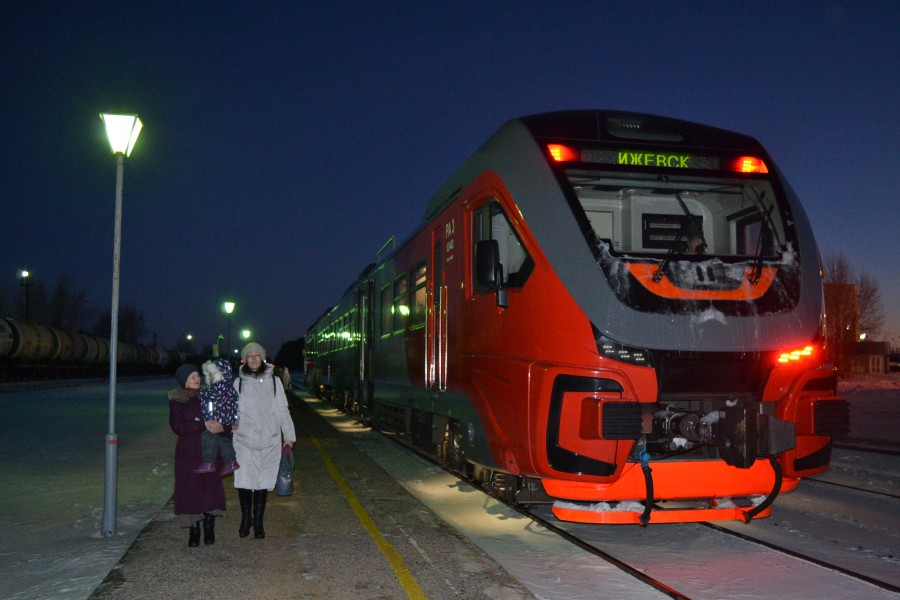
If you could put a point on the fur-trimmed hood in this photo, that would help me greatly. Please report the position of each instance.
(181, 395)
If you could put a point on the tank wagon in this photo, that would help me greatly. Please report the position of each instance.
(33, 351)
(614, 312)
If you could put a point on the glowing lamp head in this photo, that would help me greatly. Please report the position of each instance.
(229, 307)
(122, 131)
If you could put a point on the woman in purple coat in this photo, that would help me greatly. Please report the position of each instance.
(198, 497)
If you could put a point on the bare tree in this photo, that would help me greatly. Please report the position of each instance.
(871, 315)
(132, 326)
(68, 308)
(838, 269)
(852, 306)
(4, 302)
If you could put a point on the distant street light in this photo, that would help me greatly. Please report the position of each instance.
(245, 334)
(25, 278)
(229, 308)
(122, 131)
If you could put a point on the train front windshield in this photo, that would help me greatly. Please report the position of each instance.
(654, 215)
(674, 241)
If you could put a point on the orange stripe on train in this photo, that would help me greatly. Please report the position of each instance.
(643, 272)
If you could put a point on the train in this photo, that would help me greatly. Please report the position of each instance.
(30, 351)
(619, 314)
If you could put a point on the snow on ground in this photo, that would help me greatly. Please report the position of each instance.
(53, 457)
(52, 454)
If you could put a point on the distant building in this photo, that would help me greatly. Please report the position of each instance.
(870, 358)
(841, 324)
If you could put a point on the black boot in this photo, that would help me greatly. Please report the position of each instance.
(194, 535)
(259, 510)
(246, 498)
(209, 529)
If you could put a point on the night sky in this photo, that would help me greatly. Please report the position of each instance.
(283, 144)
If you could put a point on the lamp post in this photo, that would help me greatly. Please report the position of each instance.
(229, 308)
(122, 131)
(25, 279)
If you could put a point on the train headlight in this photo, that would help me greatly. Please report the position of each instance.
(627, 354)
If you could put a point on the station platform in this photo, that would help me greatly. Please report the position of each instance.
(348, 531)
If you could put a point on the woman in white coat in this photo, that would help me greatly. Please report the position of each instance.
(264, 433)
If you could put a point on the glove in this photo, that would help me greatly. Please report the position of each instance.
(286, 450)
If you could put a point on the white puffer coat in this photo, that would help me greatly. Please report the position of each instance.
(264, 424)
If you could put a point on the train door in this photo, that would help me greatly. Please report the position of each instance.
(364, 329)
(436, 318)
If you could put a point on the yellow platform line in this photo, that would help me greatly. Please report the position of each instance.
(402, 572)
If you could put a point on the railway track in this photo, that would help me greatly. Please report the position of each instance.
(852, 487)
(805, 557)
(647, 563)
(632, 570)
(869, 449)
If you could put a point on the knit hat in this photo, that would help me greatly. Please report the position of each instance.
(253, 347)
(183, 372)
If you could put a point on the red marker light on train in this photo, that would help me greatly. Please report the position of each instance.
(795, 355)
(750, 164)
(562, 153)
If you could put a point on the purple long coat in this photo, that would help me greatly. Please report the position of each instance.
(194, 494)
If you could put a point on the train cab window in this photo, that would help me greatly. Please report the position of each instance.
(417, 314)
(490, 223)
(399, 308)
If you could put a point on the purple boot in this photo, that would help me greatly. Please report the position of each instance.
(229, 468)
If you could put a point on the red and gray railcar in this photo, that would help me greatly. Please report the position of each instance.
(616, 312)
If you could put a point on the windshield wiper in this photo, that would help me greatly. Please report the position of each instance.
(756, 271)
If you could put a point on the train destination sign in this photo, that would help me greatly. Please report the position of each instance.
(642, 158)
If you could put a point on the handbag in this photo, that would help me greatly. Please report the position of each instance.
(284, 484)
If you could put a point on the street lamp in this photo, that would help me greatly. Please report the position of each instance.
(229, 308)
(25, 279)
(122, 131)
(245, 334)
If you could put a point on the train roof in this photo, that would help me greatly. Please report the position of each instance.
(597, 126)
(616, 126)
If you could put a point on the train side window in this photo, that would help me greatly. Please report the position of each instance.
(386, 306)
(352, 338)
(417, 302)
(490, 223)
(400, 308)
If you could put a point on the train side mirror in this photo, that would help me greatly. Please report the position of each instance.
(489, 270)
